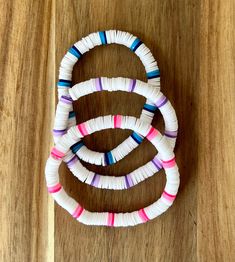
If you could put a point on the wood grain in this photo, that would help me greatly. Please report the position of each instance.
(193, 42)
(27, 105)
(216, 123)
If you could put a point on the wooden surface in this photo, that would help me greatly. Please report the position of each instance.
(193, 42)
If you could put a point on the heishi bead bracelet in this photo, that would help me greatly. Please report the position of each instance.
(70, 148)
(140, 174)
(74, 134)
(65, 81)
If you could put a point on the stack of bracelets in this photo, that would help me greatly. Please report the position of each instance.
(70, 148)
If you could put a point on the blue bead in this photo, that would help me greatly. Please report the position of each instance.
(63, 84)
(150, 108)
(71, 114)
(135, 44)
(109, 158)
(153, 74)
(76, 146)
(103, 38)
(137, 138)
(74, 51)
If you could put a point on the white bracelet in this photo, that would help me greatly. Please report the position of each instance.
(158, 100)
(109, 218)
(83, 46)
(140, 174)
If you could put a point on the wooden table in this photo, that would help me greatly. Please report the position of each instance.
(193, 42)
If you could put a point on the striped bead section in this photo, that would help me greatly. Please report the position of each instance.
(169, 163)
(78, 211)
(137, 42)
(117, 121)
(72, 114)
(152, 134)
(162, 101)
(72, 161)
(103, 37)
(56, 154)
(168, 196)
(157, 163)
(54, 189)
(150, 108)
(74, 148)
(110, 219)
(128, 181)
(109, 159)
(57, 132)
(132, 85)
(74, 51)
(82, 129)
(153, 74)
(98, 84)
(95, 180)
(143, 215)
(64, 83)
(171, 134)
(137, 138)
(66, 99)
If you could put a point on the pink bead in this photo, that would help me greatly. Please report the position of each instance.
(110, 219)
(169, 163)
(143, 215)
(168, 196)
(152, 134)
(54, 189)
(82, 129)
(55, 153)
(78, 211)
(117, 121)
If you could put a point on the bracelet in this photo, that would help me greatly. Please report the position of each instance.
(158, 100)
(76, 52)
(140, 174)
(110, 218)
